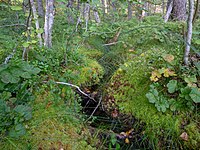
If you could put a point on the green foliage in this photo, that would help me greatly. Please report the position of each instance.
(16, 79)
(160, 102)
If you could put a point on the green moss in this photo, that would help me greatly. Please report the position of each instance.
(193, 132)
(53, 126)
(132, 81)
(91, 53)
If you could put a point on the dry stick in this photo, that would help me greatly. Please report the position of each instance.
(12, 25)
(95, 109)
(75, 86)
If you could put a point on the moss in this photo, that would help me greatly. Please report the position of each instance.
(193, 132)
(90, 74)
(129, 85)
(53, 126)
(91, 53)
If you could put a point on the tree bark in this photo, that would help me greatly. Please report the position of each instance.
(189, 32)
(86, 13)
(196, 11)
(130, 13)
(179, 10)
(40, 8)
(36, 21)
(169, 10)
(176, 10)
(70, 17)
(48, 25)
(96, 15)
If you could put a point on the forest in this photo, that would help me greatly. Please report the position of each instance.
(99, 74)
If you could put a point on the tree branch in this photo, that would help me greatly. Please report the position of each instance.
(11, 25)
(95, 109)
(75, 86)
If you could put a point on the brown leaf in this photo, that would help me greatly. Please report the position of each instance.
(184, 136)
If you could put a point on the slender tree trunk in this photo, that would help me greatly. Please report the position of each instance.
(40, 8)
(169, 10)
(86, 14)
(48, 25)
(163, 7)
(36, 22)
(96, 15)
(130, 13)
(103, 7)
(144, 13)
(189, 32)
(70, 17)
(196, 11)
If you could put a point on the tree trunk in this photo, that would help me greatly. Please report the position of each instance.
(96, 15)
(70, 17)
(103, 7)
(86, 13)
(130, 13)
(36, 21)
(169, 10)
(163, 7)
(40, 8)
(49, 18)
(196, 11)
(189, 32)
(179, 10)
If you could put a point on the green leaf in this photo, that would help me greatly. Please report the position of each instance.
(191, 79)
(24, 111)
(195, 95)
(2, 86)
(151, 97)
(26, 44)
(185, 93)
(172, 86)
(7, 77)
(40, 30)
(17, 131)
(26, 75)
(16, 7)
(33, 41)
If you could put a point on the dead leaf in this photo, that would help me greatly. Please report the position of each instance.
(114, 113)
(127, 141)
(184, 136)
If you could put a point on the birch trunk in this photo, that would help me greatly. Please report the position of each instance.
(169, 10)
(96, 15)
(189, 32)
(86, 14)
(37, 25)
(49, 18)
(40, 8)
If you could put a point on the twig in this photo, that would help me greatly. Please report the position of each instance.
(11, 25)
(113, 43)
(95, 109)
(75, 86)
(7, 59)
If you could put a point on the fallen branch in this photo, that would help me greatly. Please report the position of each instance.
(95, 109)
(75, 86)
(113, 43)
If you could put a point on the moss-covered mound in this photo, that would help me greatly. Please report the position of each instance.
(129, 86)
